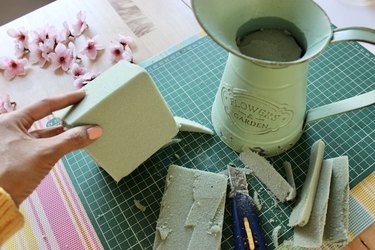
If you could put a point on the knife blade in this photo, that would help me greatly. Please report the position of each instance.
(247, 232)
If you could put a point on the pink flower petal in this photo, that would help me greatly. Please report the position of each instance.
(9, 75)
(5, 104)
(38, 54)
(60, 49)
(61, 58)
(80, 26)
(20, 34)
(83, 80)
(12, 33)
(4, 62)
(125, 40)
(91, 48)
(116, 53)
(128, 54)
(76, 70)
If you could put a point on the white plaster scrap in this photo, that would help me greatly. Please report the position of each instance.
(257, 201)
(184, 124)
(163, 232)
(215, 229)
(290, 178)
(311, 234)
(337, 224)
(171, 142)
(138, 205)
(301, 212)
(275, 236)
(246, 171)
(267, 174)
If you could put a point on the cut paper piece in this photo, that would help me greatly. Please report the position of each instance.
(192, 210)
(266, 173)
(136, 121)
(311, 234)
(191, 126)
(290, 178)
(337, 224)
(301, 212)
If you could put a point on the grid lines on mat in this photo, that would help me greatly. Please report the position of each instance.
(188, 79)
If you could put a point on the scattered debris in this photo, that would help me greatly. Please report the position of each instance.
(257, 201)
(290, 178)
(267, 174)
(138, 204)
(275, 236)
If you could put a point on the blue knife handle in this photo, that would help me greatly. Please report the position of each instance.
(243, 206)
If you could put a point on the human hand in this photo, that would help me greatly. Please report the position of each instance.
(26, 157)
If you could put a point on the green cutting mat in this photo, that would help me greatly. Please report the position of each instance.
(188, 79)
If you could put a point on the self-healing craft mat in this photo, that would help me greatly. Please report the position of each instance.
(78, 192)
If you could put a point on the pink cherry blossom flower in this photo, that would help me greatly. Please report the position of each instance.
(61, 58)
(5, 104)
(21, 35)
(92, 47)
(76, 70)
(20, 49)
(65, 35)
(40, 35)
(46, 35)
(12, 67)
(116, 53)
(80, 26)
(125, 40)
(39, 54)
(83, 80)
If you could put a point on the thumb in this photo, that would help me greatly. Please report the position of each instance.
(75, 138)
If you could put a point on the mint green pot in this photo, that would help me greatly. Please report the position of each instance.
(261, 104)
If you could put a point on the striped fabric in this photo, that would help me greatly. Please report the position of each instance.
(54, 216)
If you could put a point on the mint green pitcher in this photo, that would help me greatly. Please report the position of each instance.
(260, 103)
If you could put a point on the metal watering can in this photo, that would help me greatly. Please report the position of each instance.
(261, 102)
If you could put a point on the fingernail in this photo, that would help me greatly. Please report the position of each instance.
(94, 132)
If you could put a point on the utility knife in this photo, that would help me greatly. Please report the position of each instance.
(247, 232)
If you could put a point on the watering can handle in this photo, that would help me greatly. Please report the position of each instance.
(361, 34)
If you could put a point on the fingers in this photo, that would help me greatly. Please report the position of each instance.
(73, 139)
(47, 132)
(45, 107)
